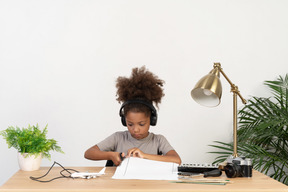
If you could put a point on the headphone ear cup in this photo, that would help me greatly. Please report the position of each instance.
(153, 120)
(123, 120)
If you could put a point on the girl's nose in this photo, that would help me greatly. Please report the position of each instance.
(136, 129)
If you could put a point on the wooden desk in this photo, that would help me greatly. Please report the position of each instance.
(21, 182)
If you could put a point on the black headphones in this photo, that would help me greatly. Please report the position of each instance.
(153, 117)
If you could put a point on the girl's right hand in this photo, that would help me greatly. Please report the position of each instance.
(116, 158)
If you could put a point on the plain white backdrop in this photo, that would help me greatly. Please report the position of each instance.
(59, 60)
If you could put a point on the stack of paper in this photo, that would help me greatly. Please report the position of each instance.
(138, 168)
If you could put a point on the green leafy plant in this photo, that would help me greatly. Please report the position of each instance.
(30, 140)
(263, 132)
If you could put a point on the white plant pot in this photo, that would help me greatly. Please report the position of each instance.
(29, 162)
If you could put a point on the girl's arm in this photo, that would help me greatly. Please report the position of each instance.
(94, 153)
(170, 156)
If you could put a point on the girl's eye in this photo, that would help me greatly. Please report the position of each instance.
(130, 125)
(141, 125)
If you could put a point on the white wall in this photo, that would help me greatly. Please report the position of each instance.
(59, 61)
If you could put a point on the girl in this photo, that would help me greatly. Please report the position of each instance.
(138, 93)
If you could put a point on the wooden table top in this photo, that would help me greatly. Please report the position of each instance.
(21, 181)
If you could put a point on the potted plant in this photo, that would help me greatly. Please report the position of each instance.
(31, 144)
(263, 132)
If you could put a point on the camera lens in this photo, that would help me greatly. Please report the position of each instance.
(232, 170)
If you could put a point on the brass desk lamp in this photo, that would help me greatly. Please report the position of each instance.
(208, 91)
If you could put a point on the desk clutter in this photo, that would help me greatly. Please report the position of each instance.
(144, 169)
(234, 167)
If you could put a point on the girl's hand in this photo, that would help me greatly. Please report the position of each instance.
(115, 157)
(135, 152)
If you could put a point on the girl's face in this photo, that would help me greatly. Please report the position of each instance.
(138, 124)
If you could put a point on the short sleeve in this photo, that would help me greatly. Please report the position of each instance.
(164, 145)
(108, 144)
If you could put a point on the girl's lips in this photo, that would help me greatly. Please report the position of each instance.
(137, 136)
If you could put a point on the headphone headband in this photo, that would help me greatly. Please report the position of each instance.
(153, 117)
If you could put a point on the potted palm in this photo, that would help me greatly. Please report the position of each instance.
(263, 132)
(31, 144)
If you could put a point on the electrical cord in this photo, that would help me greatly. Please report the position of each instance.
(60, 177)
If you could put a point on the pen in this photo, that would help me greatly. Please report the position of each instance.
(197, 182)
(205, 181)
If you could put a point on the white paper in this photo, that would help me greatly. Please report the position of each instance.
(138, 168)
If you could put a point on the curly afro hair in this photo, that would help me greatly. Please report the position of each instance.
(141, 85)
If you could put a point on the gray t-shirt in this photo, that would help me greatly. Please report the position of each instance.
(122, 141)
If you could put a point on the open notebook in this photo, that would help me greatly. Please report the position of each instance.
(138, 168)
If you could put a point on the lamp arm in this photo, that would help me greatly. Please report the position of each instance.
(234, 88)
(236, 93)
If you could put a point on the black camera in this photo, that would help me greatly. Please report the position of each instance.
(238, 167)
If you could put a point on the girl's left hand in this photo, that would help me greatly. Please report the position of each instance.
(135, 152)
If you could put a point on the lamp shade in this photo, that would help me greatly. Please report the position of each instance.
(208, 90)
